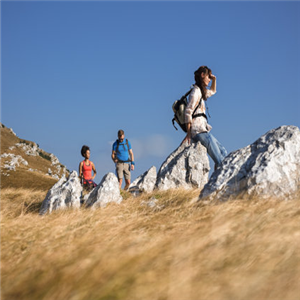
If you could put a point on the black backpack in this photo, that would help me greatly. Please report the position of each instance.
(179, 107)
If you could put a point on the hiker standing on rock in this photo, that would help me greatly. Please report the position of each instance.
(195, 118)
(85, 169)
(122, 156)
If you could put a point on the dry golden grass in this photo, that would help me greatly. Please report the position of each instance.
(242, 249)
(22, 178)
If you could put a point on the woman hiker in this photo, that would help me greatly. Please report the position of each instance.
(85, 169)
(197, 127)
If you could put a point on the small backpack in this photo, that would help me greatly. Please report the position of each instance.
(179, 107)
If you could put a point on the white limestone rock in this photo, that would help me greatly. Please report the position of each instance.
(270, 167)
(150, 203)
(11, 130)
(145, 182)
(65, 193)
(11, 161)
(187, 167)
(31, 150)
(106, 192)
(54, 160)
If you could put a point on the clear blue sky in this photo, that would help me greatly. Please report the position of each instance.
(75, 73)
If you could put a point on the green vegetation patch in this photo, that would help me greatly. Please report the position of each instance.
(45, 156)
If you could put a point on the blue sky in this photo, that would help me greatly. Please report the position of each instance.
(74, 73)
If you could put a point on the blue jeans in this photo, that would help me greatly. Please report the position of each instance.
(215, 150)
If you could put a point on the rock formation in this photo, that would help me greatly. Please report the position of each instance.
(145, 182)
(65, 193)
(269, 167)
(12, 161)
(186, 167)
(18, 154)
(107, 191)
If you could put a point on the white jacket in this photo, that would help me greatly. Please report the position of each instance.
(199, 124)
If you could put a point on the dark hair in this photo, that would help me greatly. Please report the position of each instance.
(84, 149)
(199, 79)
(120, 132)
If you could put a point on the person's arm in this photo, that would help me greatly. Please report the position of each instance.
(95, 172)
(114, 156)
(213, 86)
(80, 170)
(188, 134)
(193, 102)
(132, 159)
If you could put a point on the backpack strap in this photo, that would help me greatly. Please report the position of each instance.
(199, 104)
(117, 145)
(129, 160)
(187, 93)
(201, 114)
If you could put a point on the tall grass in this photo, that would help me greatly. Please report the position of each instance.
(241, 249)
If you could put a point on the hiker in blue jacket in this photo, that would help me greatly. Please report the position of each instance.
(123, 157)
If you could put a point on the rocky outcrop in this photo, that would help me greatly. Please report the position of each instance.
(107, 191)
(270, 167)
(31, 149)
(23, 155)
(145, 182)
(65, 193)
(187, 167)
(10, 129)
(12, 161)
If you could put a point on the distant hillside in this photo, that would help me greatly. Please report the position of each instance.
(24, 164)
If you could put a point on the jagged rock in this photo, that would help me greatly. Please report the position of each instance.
(145, 182)
(107, 191)
(269, 167)
(186, 167)
(65, 193)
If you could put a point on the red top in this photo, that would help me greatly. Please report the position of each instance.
(87, 171)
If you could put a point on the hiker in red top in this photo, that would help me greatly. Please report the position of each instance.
(85, 169)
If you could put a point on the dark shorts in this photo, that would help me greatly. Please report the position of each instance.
(88, 184)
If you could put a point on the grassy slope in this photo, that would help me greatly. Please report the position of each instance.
(22, 178)
(235, 250)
